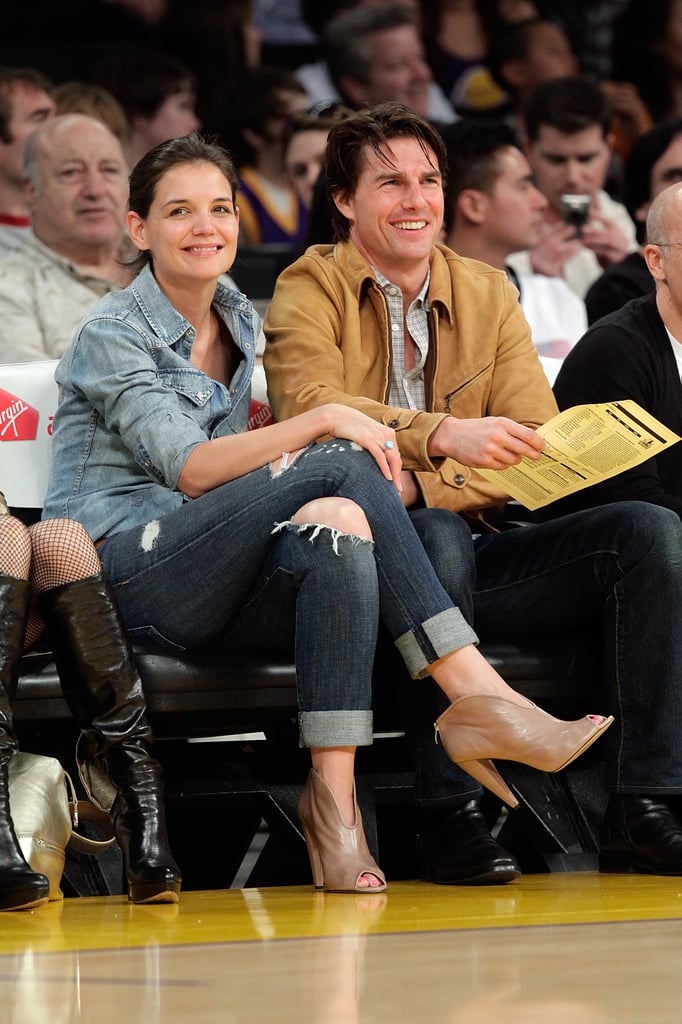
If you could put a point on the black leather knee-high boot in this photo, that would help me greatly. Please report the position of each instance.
(102, 687)
(20, 888)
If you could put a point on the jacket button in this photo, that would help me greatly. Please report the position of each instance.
(394, 424)
(459, 480)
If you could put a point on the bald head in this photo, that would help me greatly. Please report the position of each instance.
(664, 219)
(663, 255)
(77, 187)
(65, 133)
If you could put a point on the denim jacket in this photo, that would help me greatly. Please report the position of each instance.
(131, 407)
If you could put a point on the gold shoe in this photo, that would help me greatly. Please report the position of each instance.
(477, 728)
(338, 853)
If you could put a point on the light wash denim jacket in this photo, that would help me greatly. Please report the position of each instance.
(131, 407)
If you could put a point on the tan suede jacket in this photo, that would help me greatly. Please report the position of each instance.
(328, 340)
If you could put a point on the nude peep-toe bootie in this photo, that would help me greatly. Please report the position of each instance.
(338, 853)
(477, 728)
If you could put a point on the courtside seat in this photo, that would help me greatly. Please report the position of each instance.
(203, 693)
(242, 712)
(226, 736)
(197, 696)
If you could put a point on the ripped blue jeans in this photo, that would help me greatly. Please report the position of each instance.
(230, 569)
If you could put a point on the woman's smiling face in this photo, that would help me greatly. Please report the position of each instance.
(192, 227)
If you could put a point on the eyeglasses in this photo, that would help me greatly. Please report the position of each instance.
(665, 245)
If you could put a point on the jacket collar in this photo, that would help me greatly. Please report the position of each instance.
(357, 270)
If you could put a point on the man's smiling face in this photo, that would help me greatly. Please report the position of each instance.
(396, 211)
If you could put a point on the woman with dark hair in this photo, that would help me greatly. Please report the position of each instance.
(50, 575)
(262, 539)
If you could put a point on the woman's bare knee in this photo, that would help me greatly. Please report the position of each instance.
(340, 514)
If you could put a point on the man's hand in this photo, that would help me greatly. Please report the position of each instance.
(558, 244)
(411, 492)
(490, 443)
(606, 240)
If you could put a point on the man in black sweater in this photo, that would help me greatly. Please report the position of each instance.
(636, 352)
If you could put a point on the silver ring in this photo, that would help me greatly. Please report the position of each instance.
(389, 445)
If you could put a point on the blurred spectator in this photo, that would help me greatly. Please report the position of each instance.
(96, 101)
(589, 25)
(629, 116)
(567, 122)
(318, 13)
(270, 209)
(492, 209)
(157, 93)
(220, 41)
(288, 40)
(457, 35)
(77, 189)
(594, 48)
(373, 53)
(304, 142)
(527, 53)
(25, 102)
(533, 51)
(647, 51)
(654, 163)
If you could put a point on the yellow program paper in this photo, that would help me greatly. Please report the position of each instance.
(585, 445)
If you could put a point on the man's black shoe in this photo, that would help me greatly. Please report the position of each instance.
(456, 848)
(640, 834)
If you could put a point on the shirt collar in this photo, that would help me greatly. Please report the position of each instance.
(440, 283)
(421, 298)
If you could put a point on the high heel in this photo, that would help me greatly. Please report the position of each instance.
(338, 853)
(476, 728)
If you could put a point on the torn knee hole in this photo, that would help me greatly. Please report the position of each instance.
(315, 530)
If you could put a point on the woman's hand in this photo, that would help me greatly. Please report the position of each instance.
(369, 434)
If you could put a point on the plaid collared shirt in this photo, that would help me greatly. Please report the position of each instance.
(407, 388)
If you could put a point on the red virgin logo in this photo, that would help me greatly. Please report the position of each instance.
(18, 419)
(260, 415)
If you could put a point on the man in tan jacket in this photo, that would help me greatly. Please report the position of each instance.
(391, 322)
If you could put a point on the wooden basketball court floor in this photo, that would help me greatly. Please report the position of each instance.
(547, 949)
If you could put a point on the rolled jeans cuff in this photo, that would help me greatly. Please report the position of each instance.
(335, 729)
(442, 634)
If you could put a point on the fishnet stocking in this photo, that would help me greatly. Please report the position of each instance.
(62, 553)
(15, 548)
(48, 554)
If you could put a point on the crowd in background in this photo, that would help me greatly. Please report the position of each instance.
(267, 80)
